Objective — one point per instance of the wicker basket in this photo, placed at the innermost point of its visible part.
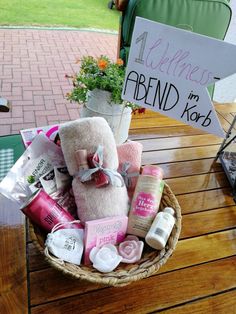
(124, 274)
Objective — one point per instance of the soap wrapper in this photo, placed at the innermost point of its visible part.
(99, 232)
(66, 244)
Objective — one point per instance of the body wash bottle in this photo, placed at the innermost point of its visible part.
(161, 229)
(146, 200)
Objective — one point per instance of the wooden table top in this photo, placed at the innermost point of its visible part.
(200, 277)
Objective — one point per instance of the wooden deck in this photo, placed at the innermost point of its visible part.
(198, 278)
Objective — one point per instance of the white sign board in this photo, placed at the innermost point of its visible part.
(169, 70)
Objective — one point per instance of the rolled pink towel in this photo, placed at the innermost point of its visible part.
(92, 202)
(130, 154)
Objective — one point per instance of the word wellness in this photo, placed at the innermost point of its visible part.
(160, 59)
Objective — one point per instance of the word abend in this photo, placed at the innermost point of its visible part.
(163, 96)
(151, 91)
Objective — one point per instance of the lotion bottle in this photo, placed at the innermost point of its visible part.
(161, 229)
(146, 200)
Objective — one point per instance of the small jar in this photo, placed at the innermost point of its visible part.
(161, 229)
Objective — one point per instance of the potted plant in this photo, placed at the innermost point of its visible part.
(98, 87)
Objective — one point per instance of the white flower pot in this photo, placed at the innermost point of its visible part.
(117, 116)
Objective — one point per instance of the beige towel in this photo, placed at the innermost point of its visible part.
(93, 203)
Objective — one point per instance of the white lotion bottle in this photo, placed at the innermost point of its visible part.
(161, 228)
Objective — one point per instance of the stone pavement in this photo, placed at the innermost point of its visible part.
(33, 64)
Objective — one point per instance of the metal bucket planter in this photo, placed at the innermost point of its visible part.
(117, 116)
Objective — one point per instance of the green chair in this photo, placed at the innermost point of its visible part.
(11, 148)
(210, 18)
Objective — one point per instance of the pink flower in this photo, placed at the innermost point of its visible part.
(130, 249)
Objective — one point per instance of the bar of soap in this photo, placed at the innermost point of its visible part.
(106, 258)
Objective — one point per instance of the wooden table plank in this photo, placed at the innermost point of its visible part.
(13, 274)
(190, 167)
(225, 107)
(202, 249)
(154, 293)
(205, 200)
(221, 304)
(43, 291)
(159, 120)
(208, 221)
(36, 259)
(171, 131)
(180, 142)
(177, 155)
(198, 183)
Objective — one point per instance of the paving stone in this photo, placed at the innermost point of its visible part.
(29, 116)
(41, 121)
(17, 111)
(33, 64)
(5, 129)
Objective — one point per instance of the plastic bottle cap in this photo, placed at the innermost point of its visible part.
(169, 210)
(153, 170)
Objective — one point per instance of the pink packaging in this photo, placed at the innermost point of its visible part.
(45, 212)
(28, 135)
(130, 155)
(98, 232)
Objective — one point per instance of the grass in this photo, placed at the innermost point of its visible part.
(59, 13)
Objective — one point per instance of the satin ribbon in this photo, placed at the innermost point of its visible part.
(113, 176)
(127, 176)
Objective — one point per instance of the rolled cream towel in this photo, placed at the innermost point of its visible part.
(130, 154)
(87, 134)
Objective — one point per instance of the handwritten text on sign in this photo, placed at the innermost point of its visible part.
(169, 69)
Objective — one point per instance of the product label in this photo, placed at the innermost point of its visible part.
(145, 205)
(164, 226)
(62, 177)
(106, 239)
(38, 167)
(53, 216)
(48, 182)
(69, 243)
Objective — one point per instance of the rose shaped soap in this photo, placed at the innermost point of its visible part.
(131, 249)
(106, 258)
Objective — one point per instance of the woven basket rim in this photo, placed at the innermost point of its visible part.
(126, 273)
